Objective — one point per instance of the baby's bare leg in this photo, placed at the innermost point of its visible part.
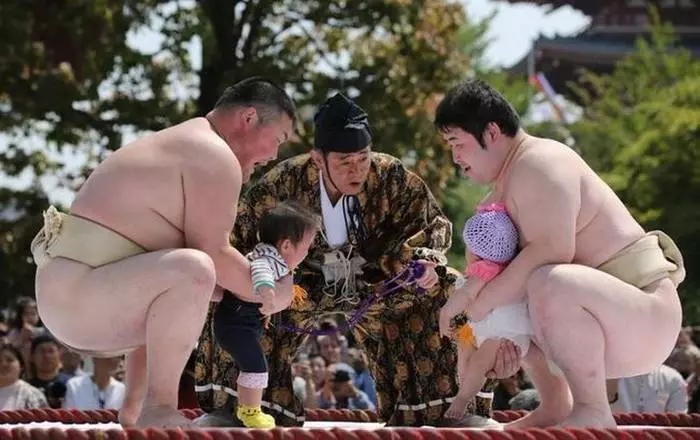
(249, 396)
(464, 352)
(458, 405)
(472, 371)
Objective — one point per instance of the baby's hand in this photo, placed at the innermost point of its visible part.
(457, 303)
(268, 300)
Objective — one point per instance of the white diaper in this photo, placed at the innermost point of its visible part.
(506, 322)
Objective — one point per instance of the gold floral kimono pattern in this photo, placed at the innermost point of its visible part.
(415, 369)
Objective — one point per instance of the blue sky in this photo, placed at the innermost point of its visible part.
(512, 32)
(516, 26)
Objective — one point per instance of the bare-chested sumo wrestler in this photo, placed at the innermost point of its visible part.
(132, 268)
(601, 291)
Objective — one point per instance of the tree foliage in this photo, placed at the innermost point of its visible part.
(73, 87)
(70, 89)
(641, 131)
(70, 80)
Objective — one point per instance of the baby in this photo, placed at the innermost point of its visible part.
(286, 233)
(492, 242)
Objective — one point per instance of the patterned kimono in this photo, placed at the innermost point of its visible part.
(414, 368)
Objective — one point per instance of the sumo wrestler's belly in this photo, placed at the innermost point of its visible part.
(140, 223)
(604, 238)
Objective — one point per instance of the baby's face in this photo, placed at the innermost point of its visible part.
(294, 254)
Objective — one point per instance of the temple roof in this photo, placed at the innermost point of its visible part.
(613, 33)
(586, 48)
(562, 58)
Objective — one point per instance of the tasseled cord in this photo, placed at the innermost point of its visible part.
(299, 296)
(464, 334)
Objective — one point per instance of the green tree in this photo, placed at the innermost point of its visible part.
(20, 219)
(641, 130)
(70, 88)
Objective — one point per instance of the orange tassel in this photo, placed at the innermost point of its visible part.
(299, 295)
(464, 334)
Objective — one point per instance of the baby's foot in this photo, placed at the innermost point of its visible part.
(253, 417)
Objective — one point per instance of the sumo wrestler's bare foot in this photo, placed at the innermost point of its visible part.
(163, 417)
(542, 417)
(135, 367)
(584, 416)
(128, 416)
(458, 408)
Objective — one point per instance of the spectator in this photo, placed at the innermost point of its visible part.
(339, 392)
(685, 338)
(318, 370)
(661, 390)
(527, 400)
(681, 359)
(505, 391)
(304, 387)
(25, 327)
(363, 378)
(4, 328)
(330, 347)
(120, 374)
(72, 363)
(99, 391)
(26, 317)
(46, 364)
(337, 337)
(694, 383)
(695, 334)
(14, 392)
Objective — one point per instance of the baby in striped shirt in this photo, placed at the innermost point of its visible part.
(286, 232)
